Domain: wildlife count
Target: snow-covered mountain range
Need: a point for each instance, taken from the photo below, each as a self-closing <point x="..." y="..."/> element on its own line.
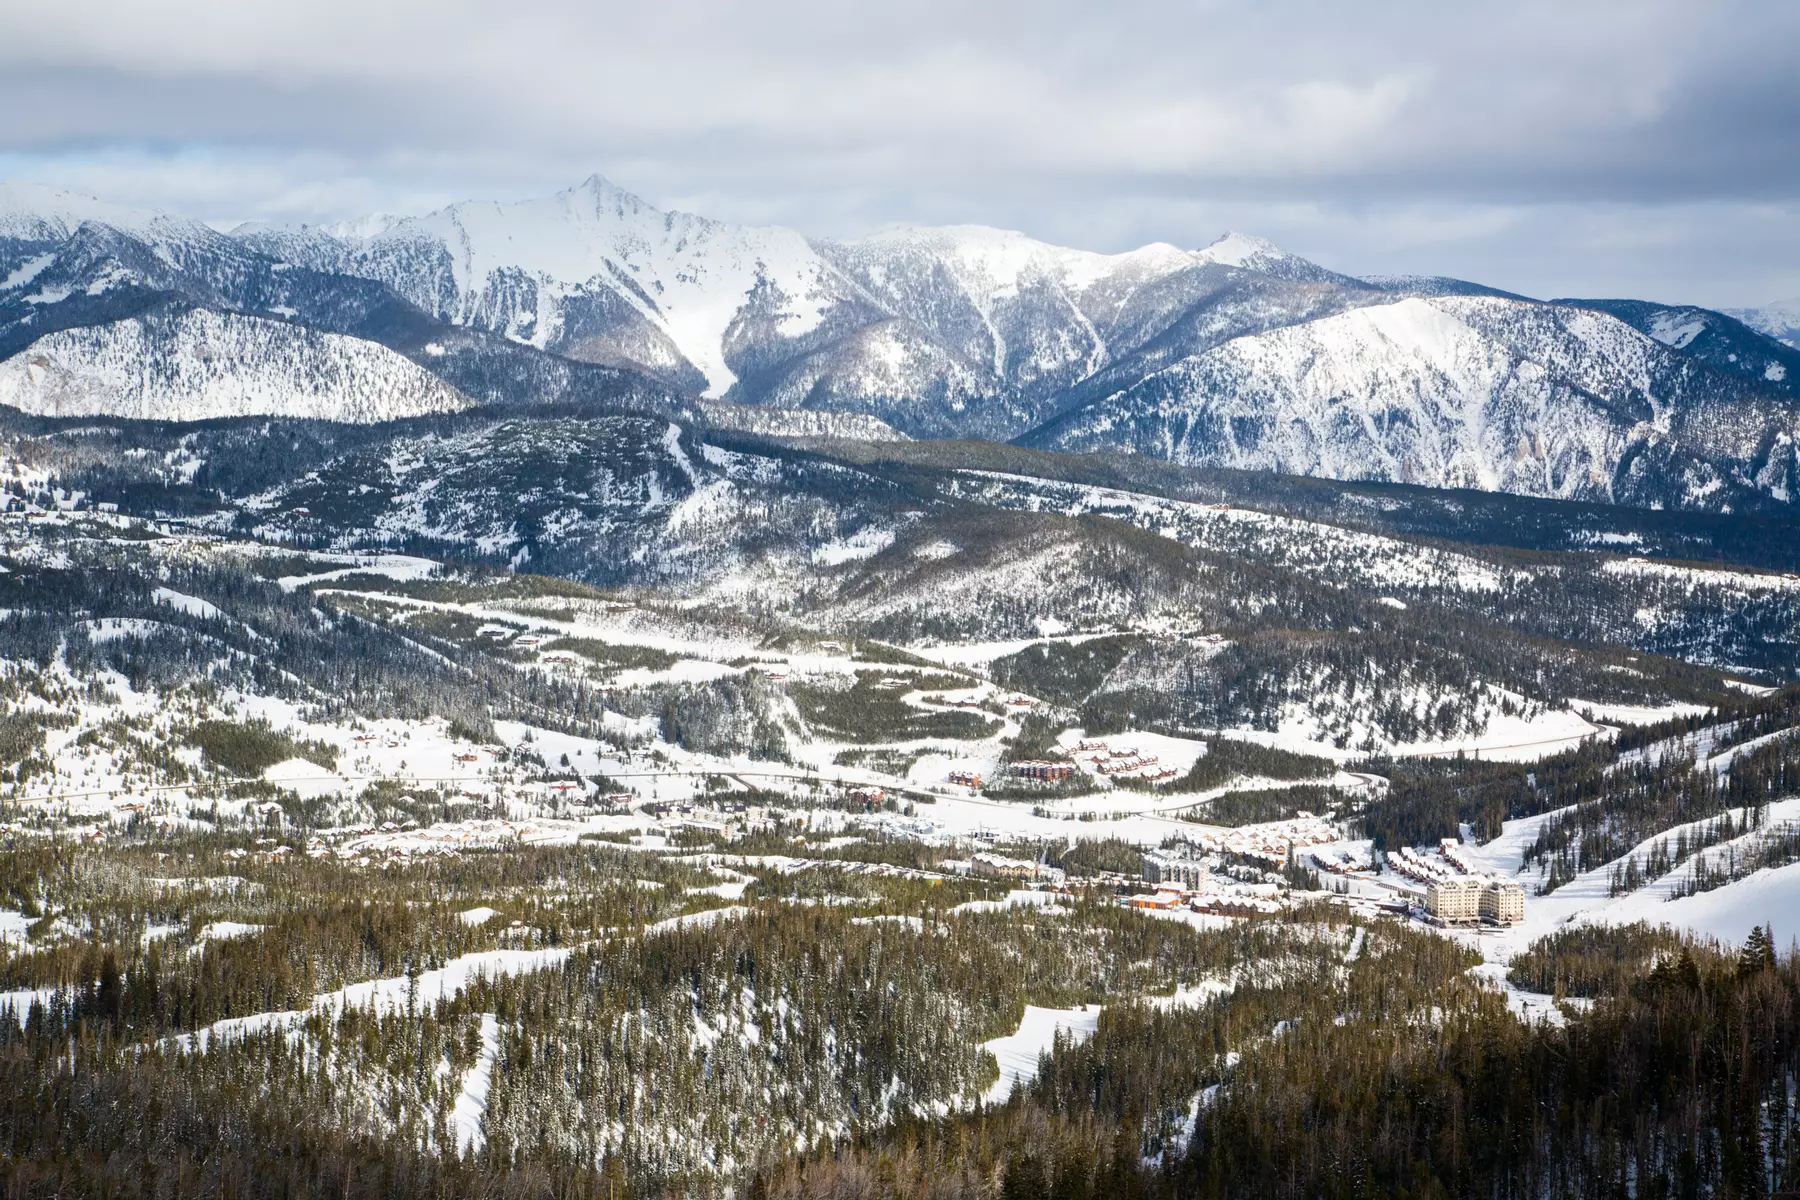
<point x="1234" y="354"/>
<point x="956" y="330"/>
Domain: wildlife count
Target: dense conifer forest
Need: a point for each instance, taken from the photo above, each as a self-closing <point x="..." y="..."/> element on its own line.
<point x="1347" y="1061"/>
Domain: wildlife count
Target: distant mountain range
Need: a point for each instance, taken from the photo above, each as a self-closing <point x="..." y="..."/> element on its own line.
<point x="1780" y="320"/>
<point x="1237" y="354"/>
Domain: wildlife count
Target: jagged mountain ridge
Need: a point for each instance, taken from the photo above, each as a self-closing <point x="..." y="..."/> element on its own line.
<point x="593" y="296"/>
<point x="100" y="273"/>
<point x="1477" y="392"/>
<point x="956" y="330"/>
<point x="593" y="273"/>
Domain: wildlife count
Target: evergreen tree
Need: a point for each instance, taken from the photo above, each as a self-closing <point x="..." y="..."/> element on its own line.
<point x="1758" y="954"/>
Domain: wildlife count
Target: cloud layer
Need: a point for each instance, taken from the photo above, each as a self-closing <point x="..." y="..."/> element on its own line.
<point x="1650" y="147"/>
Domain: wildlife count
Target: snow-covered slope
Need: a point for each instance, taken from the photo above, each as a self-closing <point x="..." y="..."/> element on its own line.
<point x="1450" y="392"/>
<point x="990" y="313"/>
<point x="55" y="245"/>
<point x="611" y="499"/>
<point x="592" y="272"/>
<point x="1722" y="342"/>
<point x="943" y="328"/>
<point x="195" y="365"/>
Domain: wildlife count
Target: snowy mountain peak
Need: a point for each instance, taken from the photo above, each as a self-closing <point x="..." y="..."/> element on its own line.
<point x="1242" y="250"/>
<point x="363" y="228"/>
<point x="991" y="264"/>
<point x="949" y="331"/>
<point x="1450" y="391"/>
<point x="548" y="271"/>
<point x="603" y="195"/>
<point x="1252" y="253"/>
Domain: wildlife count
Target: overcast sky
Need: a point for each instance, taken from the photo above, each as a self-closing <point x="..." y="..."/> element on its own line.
<point x="1563" y="147"/>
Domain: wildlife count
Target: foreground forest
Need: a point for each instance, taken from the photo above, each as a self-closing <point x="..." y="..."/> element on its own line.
<point x="1345" y="1060"/>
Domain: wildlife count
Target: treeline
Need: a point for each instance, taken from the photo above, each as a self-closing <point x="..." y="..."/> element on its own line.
<point x="870" y="709"/>
<point x="725" y="717"/>
<point x="1094" y="855"/>
<point x="139" y="1126"/>
<point x="1776" y="847"/>
<point x="248" y="748"/>
<point x="1253" y="806"/>
<point x="663" y="1065"/>
<point x="1591" y="961"/>
<point x="798" y="1051"/>
<point x="1428" y="799"/>
<point x="1678" y="1089"/>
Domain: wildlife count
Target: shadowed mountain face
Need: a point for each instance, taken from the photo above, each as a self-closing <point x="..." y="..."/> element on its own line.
<point x="1235" y="355"/>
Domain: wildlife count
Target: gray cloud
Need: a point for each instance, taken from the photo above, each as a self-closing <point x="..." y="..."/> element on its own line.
<point x="1568" y="147"/>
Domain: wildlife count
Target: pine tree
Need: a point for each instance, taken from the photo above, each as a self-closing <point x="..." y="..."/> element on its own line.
<point x="1758" y="954"/>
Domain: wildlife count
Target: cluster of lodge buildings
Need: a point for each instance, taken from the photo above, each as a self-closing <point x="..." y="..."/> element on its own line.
<point x="1239" y="902"/>
<point x="1451" y="849"/>
<point x="1043" y="772"/>
<point x="1104" y="760"/>
<point x="1413" y="865"/>
<point x="1473" y="900"/>
<point x="1343" y="861"/>
<point x="1270" y="842"/>
<point x="728" y="819"/>
<point x="968" y="779"/>
<point x="611" y="804"/>
<point x="1182" y="880"/>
